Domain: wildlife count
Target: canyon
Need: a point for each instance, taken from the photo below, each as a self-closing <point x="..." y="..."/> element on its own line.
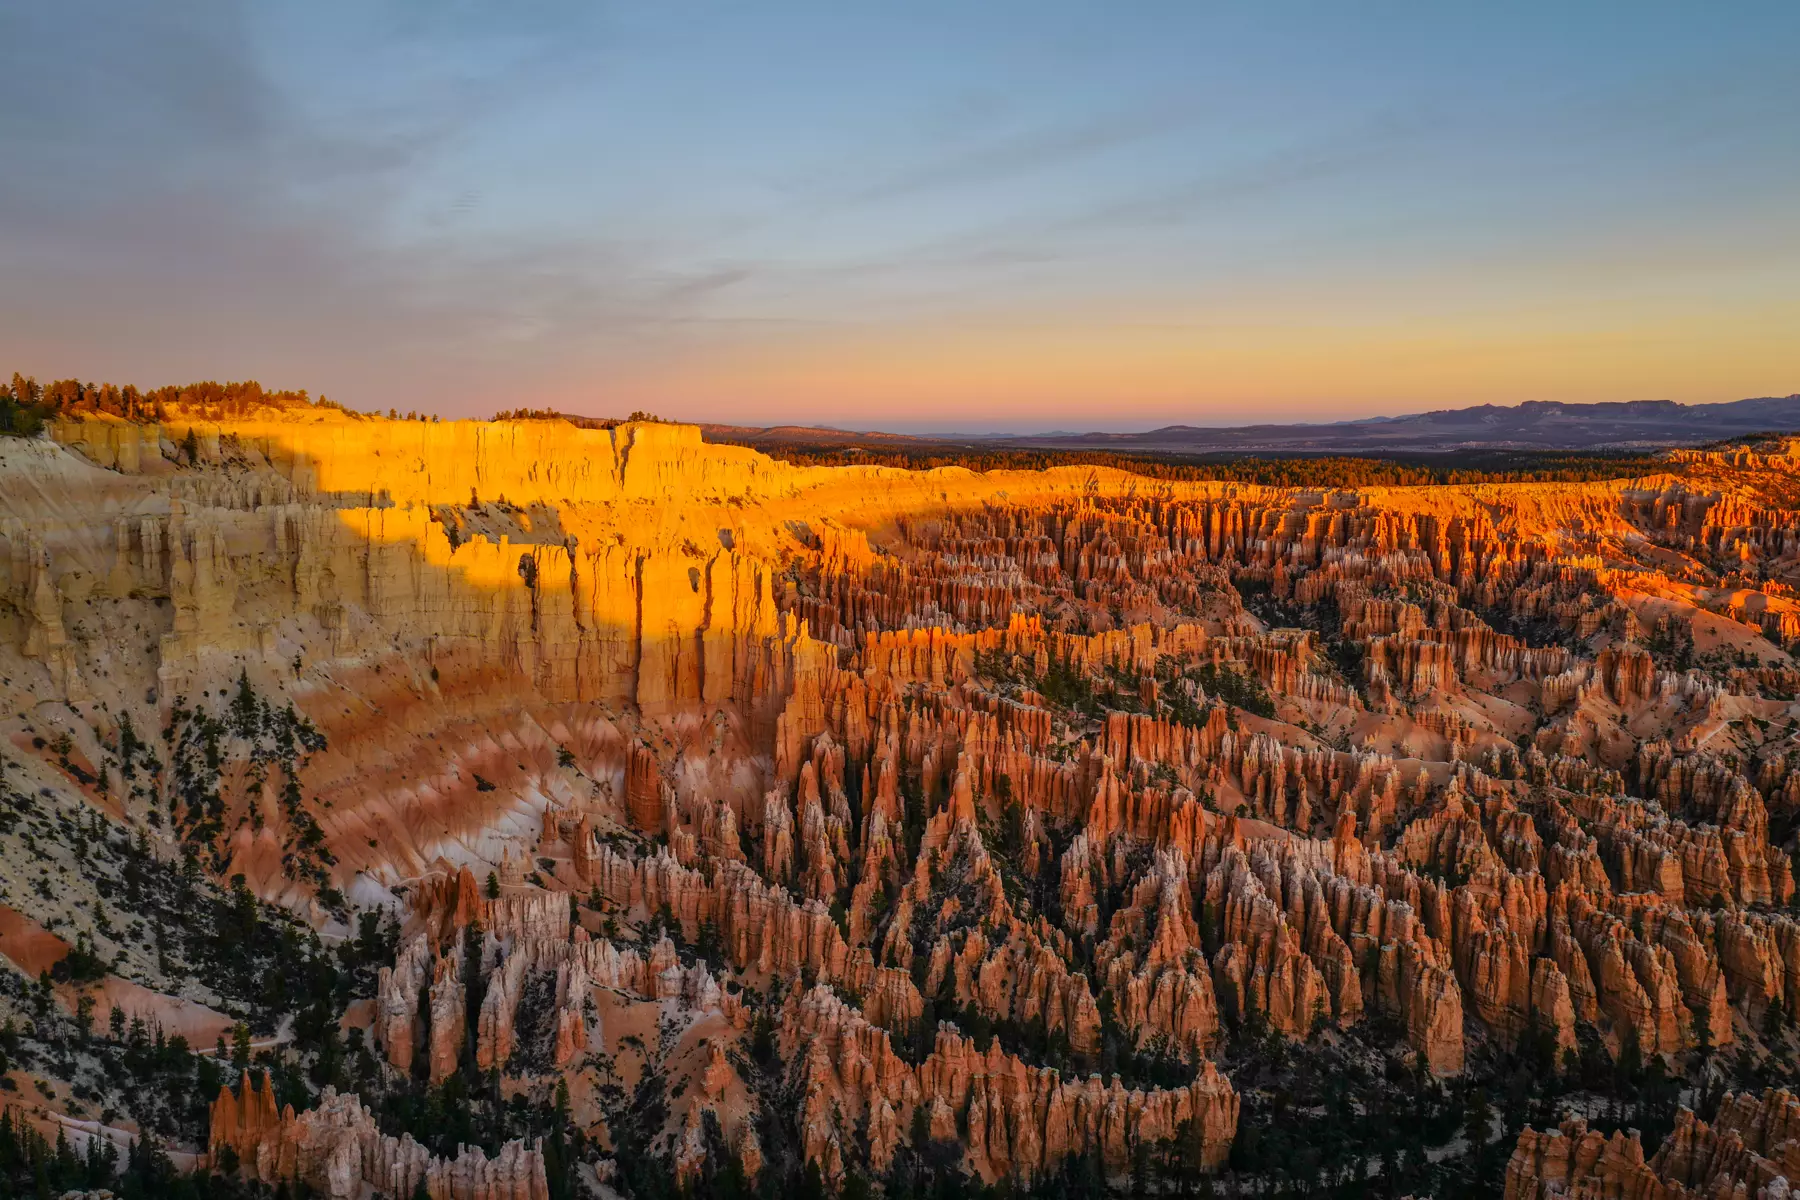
<point x="716" y="822"/>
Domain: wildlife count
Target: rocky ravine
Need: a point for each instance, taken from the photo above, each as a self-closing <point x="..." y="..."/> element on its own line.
<point x="563" y="809"/>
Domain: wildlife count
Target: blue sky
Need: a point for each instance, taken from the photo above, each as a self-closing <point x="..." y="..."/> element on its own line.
<point x="919" y="216"/>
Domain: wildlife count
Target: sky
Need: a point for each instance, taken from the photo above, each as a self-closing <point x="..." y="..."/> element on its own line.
<point x="906" y="216"/>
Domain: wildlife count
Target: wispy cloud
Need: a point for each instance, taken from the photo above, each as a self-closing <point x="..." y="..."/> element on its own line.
<point x="1020" y="154"/>
<point x="165" y="202"/>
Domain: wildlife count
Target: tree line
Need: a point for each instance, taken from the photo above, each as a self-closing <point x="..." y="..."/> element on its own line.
<point x="550" y="414"/>
<point x="1299" y="471"/>
<point x="25" y="404"/>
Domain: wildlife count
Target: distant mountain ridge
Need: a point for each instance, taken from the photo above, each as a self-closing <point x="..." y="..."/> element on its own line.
<point x="1532" y="425"/>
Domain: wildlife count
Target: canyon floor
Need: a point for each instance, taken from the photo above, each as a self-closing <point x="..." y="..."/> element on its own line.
<point x="517" y="810"/>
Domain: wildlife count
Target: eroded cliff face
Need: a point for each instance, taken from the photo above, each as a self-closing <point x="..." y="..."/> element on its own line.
<point x="1003" y="810"/>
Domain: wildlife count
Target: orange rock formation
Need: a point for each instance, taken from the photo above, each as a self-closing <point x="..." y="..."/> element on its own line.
<point x="1102" y="761"/>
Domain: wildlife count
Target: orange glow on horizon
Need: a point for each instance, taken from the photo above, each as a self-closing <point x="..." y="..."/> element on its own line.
<point x="1061" y="375"/>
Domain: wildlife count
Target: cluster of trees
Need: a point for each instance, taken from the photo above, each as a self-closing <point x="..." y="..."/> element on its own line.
<point x="30" y="1165"/>
<point x="1064" y="683"/>
<point x="1236" y="688"/>
<point x="468" y="1107"/>
<point x="1488" y="466"/>
<point x="124" y="1066"/>
<point x="278" y="740"/>
<point x="1671" y="645"/>
<point x="550" y="414"/>
<point x="265" y="964"/>
<point x="1067" y="687"/>
<point x="262" y="962"/>
<point x="25" y="404"/>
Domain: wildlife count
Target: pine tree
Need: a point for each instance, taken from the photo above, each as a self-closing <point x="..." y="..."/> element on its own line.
<point x="240" y="1046"/>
